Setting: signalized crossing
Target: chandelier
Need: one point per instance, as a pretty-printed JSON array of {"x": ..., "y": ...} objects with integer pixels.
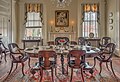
[{"x": 61, "y": 3}]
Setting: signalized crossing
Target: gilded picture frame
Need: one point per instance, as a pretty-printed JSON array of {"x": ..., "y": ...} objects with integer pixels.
[{"x": 61, "y": 18}]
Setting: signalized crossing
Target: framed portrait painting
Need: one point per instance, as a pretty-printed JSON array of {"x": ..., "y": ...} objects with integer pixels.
[{"x": 61, "y": 18}]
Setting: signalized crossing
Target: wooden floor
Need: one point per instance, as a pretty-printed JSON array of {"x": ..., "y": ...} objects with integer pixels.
[{"x": 5, "y": 67}]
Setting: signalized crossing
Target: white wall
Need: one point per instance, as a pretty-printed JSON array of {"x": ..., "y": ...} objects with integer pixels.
[
  {"x": 102, "y": 28},
  {"x": 114, "y": 7},
  {"x": 5, "y": 21},
  {"x": 49, "y": 14}
]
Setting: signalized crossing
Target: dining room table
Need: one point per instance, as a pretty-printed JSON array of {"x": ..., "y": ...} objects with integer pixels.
[{"x": 62, "y": 51}]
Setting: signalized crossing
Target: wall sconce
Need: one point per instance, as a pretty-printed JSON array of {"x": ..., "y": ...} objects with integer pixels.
[
  {"x": 51, "y": 23},
  {"x": 72, "y": 23}
]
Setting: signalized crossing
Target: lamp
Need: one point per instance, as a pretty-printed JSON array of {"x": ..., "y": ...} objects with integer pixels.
[{"x": 61, "y": 3}]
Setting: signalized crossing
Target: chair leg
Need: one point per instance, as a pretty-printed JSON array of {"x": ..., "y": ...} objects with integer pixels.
[
  {"x": 1, "y": 55},
  {"x": 100, "y": 68},
  {"x": 23, "y": 69},
  {"x": 94, "y": 63},
  {"x": 71, "y": 74},
  {"x": 29, "y": 63},
  {"x": 107, "y": 66},
  {"x": 52, "y": 74},
  {"x": 112, "y": 68},
  {"x": 10, "y": 55},
  {"x": 5, "y": 57},
  {"x": 10, "y": 69},
  {"x": 67, "y": 69},
  {"x": 55, "y": 71},
  {"x": 41, "y": 72},
  {"x": 82, "y": 75},
  {"x": 16, "y": 66}
]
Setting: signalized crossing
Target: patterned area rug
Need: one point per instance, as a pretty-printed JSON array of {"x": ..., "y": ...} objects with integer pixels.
[{"x": 16, "y": 76}]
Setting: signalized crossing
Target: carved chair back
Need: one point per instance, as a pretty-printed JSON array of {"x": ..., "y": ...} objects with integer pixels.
[
  {"x": 78, "y": 58},
  {"x": 108, "y": 51},
  {"x": 16, "y": 53},
  {"x": 61, "y": 40},
  {"x": 50, "y": 43},
  {"x": 105, "y": 41},
  {"x": 47, "y": 59},
  {"x": 81, "y": 41}
]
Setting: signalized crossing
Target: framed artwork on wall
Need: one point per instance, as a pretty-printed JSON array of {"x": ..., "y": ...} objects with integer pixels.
[{"x": 61, "y": 18}]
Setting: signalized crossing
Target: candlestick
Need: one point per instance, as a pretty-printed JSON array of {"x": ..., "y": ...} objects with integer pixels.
[
  {"x": 51, "y": 29},
  {"x": 72, "y": 28},
  {"x": 72, "y": 25},
  {"x": 70, "y": 37},
  {"x": 51, "y": 22},
  {"x": 54, "y": 38}
]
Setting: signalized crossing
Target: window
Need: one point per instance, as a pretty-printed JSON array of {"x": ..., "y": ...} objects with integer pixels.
[
  {"x": 90, "y": 20},
  {"x": 33, "y": 21}
]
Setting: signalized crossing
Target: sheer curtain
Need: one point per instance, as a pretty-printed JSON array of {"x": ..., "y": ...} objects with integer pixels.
[
  {"x": 90, "y": 19},
  {"x": 33, "y": 20}
]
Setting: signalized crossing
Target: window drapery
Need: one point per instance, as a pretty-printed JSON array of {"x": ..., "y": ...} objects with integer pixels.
[
  {"x": 90, "y": 19},
  {"x": 36, "y": 7},
  {"x": 33, "y": 20}
]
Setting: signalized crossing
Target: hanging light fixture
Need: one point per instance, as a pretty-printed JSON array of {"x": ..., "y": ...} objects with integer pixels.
[{"x": 61, "y": 3}]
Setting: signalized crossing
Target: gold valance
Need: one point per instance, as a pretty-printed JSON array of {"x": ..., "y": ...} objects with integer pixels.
[
  {"x": 30, "y": 7},
  {"x": 34, "y": 7},
  {"x": 90, "y": 7}
]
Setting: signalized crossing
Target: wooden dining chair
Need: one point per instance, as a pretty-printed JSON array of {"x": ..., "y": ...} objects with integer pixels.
[
  {"x": 50, "y": 43},
  {"x": 76, "y": 61},
  {"x": 105, "y": 56},
  {"x": 4, "y": 50},
  {"x": 47, "y": 61},
  {"x": 0, "y": 53},
  {"x": 81, "y": 41},
  {"x": 61, "y": 40},
  {"x": 73, "y": 42},
  {"x": 17, "y": 56},
  {"x": 104, "y": 42}
]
